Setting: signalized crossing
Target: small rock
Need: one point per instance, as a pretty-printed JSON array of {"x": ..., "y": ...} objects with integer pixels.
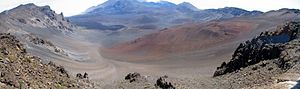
[
  {"x": 162, "y": 82},
  {"x": 79, "y": 75},
  {"x": 132, "y": 76},
  {"x": 85, "y": 75}
]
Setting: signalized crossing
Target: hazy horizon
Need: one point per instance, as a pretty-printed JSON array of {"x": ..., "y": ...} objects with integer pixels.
[{"x": 79, "y": 6}]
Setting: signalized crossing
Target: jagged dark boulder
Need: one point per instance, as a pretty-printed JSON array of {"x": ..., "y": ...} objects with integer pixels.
[
  {"x": 131, "y": 77},
  {"x": 267, "y": 46},
  {"x": 162, "y": 82},
  {"x": 80, "y": 76},
  {"x": 85, "y": 75}
]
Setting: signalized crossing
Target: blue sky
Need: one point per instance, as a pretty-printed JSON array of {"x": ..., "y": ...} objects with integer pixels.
[{"x": 73, "y": 7}]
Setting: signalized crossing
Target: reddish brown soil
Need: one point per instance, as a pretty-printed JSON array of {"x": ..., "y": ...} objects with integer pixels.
[{"x": 184, "y": 38}]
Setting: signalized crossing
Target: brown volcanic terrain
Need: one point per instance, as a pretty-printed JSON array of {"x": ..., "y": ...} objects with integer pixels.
[
  {"x": 193, "y": 51},
  {"x": 200, "y": 36},
  {"x": 187, "y": 37}
]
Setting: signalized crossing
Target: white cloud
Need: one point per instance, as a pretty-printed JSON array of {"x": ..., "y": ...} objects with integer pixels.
[{"x": 73, "y": 7}]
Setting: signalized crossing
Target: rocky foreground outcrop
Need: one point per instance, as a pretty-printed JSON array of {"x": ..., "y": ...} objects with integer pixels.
[
  {"x": 263, "y": 61},
  {"x": 267, "y": 46},
  {"x": 20, "y": 70}
]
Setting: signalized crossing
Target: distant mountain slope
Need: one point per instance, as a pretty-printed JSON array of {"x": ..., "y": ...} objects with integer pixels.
[
  {"x": 39, "y": 28},
  {"x": 30, "y": 15},
  {"x": 141, "y": 15},
  {"x": 185, "y": 6},
  {"x": 188, "y": 38},
  {"x": 234, "y": 12},
  {"x": 36, "y": 23}
]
